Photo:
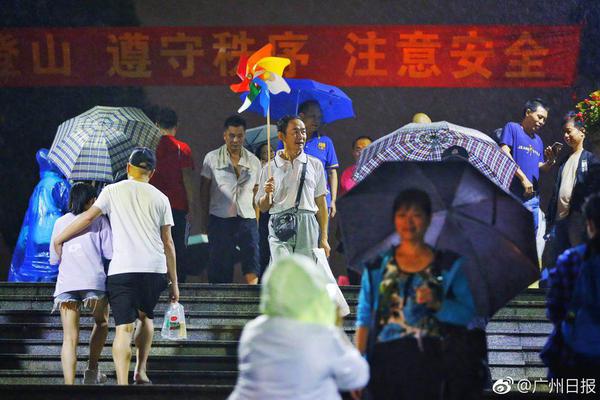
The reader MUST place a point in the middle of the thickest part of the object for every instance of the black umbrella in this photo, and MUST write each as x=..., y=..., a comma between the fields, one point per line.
x=471, y=216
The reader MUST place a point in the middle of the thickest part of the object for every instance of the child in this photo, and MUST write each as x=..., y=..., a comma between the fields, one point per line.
x=82, y=280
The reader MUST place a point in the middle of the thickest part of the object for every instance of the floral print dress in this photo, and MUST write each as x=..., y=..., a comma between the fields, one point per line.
x=399, y=315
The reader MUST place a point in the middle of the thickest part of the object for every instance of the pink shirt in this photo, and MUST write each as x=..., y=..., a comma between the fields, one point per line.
x=81, y=266
x=346, y=181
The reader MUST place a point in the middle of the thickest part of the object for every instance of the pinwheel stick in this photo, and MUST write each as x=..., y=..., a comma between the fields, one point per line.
x=269, y=147
x=269, y=141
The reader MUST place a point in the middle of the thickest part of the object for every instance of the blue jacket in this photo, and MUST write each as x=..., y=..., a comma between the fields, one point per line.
x=458, y=307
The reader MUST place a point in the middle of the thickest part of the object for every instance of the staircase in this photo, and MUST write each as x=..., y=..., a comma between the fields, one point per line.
x=30, y=339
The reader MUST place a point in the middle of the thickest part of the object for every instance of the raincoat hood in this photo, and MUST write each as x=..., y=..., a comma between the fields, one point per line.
x=45, y=165
x=294, y=287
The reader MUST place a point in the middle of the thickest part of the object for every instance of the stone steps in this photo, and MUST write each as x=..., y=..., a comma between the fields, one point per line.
x=31, y=337
x=229, y=328
x=113, y=392
x=49, y=362
x=55, y=377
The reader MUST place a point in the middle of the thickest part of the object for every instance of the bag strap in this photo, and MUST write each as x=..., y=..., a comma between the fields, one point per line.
x=297, y=204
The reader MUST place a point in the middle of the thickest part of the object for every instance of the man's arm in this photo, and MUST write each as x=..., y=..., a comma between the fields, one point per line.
x=84, y=220
x=527, y=185
x=254, y=204
x=333, y=185
x=188, y=179
x=169, y=246
x=550, y=159
x=204, y=203
x=323, y=220
x=360, y=340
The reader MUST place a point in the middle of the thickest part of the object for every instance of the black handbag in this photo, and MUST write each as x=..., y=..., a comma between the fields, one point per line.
x=285, y=225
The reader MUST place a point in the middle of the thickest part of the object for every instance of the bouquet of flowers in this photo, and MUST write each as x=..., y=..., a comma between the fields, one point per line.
x=589, y=113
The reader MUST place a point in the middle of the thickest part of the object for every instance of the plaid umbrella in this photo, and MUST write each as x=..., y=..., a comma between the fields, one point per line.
x=96, y=144
x=472, y=216
x=427, y=142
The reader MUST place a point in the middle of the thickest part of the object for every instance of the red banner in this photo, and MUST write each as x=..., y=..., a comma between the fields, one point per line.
x=388, y=55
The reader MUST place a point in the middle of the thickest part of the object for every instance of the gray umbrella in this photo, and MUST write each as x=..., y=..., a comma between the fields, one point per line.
x=471, y=216
x=256, y=137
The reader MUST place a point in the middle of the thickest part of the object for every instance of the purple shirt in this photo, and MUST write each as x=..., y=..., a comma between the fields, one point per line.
x=81, y=266
x=527, y=151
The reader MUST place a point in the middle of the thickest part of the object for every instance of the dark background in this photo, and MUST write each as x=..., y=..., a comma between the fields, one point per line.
x=29, y=116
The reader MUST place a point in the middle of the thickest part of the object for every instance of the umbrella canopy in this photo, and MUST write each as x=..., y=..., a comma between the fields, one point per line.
x=427, y=142
x=471, y=216
x=96, y=144
x=256, y=137
x=335, y=104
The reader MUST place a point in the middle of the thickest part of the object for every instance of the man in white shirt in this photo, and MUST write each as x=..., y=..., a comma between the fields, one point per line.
x=229, y=181
x=277, y=194
x=143, y=260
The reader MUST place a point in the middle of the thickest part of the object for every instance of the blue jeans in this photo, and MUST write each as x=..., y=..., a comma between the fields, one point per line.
x=83, y=297
x=533, y=205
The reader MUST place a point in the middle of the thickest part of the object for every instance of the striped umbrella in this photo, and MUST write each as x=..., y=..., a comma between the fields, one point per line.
x=427, y=142
x=96, y=144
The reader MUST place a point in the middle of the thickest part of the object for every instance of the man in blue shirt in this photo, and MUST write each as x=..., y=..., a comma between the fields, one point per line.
x=321, y=147
x=523, y=145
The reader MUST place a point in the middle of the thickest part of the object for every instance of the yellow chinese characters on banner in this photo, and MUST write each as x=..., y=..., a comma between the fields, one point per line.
x=472, y=51
x=181, y=47
x=130, y=55
x=368, y=56
x=53, y=66
x=370, y=59
x=418, y=54
x=289, y=45
x=526, y=58
x=9, y=52
x=229, y=47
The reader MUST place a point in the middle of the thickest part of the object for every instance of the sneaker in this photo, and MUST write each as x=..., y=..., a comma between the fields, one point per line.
x=93, y=377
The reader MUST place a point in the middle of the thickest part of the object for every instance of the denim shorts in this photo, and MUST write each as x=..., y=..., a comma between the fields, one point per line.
x=82, y=297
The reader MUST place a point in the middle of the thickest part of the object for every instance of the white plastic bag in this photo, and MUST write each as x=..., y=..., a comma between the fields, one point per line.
x=334, y=290
x=174, y=323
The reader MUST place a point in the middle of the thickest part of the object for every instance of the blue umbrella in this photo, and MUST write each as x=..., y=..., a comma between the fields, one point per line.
x=335, y=104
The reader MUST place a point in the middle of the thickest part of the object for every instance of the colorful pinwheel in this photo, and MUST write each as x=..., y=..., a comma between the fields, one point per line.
x=261, y=74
